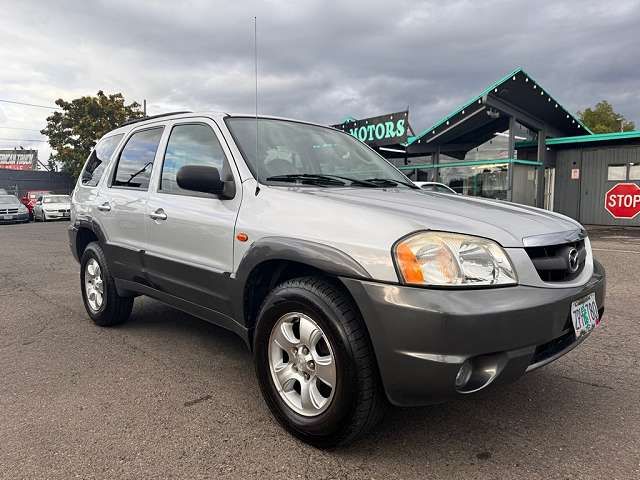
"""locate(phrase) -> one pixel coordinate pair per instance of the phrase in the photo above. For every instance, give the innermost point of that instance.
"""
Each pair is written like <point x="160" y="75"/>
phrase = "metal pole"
<point x="540" y="178"/>
<point x="511" y="154"/>
<point x="144" y="107"/>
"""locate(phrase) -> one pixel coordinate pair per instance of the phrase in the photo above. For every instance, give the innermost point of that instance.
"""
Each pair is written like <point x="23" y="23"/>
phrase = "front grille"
<point x="553" y="262"/>
<point x="8" y="211"/>
<point x="64" y="211"/>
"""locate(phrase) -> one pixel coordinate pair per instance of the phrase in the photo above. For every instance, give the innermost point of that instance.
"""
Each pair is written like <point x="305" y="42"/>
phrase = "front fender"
<point x="317" y="255"/>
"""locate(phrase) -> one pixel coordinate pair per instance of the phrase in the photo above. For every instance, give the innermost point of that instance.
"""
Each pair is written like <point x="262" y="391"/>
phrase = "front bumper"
<point x="14" y="218"/>
<point x="421" y="337"/>
<point x="54" y="214"/>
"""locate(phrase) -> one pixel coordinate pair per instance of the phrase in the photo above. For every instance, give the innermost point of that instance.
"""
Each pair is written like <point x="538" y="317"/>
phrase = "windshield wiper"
<point x="307" y="178"/>
<point x="354" y="181"/>
<point x="388" y="182"/>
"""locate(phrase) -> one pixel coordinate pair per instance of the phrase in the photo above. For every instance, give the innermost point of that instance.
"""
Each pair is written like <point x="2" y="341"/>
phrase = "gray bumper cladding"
<point x="422" y="337"/>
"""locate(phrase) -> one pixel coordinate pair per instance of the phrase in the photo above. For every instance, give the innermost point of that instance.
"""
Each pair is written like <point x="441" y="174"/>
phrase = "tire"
<point x="113" y="309"/>
<point x="356" y="403"/>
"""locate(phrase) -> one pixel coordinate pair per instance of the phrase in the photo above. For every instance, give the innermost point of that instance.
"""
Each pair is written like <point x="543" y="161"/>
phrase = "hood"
<point x="4" y="205"/>
<point x="55" y="205"/>
<point x="504" y="222"/>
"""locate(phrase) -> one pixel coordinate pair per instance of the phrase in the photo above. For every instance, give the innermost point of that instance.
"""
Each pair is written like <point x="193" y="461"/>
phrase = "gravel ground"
<point x="169" y="396"/>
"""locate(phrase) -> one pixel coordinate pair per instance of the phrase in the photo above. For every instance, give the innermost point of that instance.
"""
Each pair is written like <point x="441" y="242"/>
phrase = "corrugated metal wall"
<point x="17" y="182"/>
<point x="595" y="185"/>
<point x="583" y="199"/>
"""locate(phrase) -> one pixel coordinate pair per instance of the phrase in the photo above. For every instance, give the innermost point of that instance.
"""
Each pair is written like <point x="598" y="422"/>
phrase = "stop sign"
<point x="623" y="200"/>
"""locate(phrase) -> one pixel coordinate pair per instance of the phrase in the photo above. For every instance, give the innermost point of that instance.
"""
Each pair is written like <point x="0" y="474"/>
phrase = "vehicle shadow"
<point x="544" y="410"/>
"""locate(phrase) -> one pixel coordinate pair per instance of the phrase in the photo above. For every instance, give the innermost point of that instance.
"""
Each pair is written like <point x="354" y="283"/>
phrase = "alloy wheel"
<point x="302" y="364"/>
<point x="93" y="285"/>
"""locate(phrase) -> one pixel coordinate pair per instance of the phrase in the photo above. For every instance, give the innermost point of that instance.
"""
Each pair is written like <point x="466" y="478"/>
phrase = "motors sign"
<point x="18" y="159"/>
<point x="623" y="200"/>
<point x="389" y="129"/>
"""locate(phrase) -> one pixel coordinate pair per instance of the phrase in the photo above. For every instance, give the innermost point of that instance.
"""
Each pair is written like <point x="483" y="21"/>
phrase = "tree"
<point x="74" y="131"/>
<point x="603" y="119"/>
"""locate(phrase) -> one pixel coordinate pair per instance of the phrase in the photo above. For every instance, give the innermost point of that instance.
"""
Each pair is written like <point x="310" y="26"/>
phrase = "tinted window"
<point x="98" y="160"/>
<point x="136" y="159"/>
<point x="189" y="145"/>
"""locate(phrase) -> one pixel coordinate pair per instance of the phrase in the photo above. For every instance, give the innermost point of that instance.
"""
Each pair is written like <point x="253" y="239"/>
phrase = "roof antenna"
<point x="255" y="63"/>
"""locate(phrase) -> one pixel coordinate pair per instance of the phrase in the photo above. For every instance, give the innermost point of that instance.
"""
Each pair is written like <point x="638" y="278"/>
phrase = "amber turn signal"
<point x="408" y="264"/>
<point x="242" y="237"/>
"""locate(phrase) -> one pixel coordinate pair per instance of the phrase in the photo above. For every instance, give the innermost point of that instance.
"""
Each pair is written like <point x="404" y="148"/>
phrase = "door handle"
<point x="158" y="215"/>
<point x="105" y="207"/>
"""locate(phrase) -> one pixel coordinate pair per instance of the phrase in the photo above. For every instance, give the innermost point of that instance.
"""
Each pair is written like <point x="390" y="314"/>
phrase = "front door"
<point x="190" y="235"/>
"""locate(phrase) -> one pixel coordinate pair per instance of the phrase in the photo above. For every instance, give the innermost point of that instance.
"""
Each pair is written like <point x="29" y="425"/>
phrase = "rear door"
<point x="122" y="203"/>
<point x="190" y="235"/>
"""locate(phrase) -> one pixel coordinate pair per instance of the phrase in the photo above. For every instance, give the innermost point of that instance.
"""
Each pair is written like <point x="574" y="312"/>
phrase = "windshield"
<point x="295" y="152"/>
<point x="10" y="199"/>
<point x="57" y="199"/>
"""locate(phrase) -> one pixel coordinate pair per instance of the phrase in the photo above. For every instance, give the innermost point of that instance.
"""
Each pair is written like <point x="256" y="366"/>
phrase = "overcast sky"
<point x="318" y="60"/>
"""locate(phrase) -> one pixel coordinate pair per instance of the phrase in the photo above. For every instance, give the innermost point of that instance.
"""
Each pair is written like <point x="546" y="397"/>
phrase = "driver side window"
<point x="190" y="144"/>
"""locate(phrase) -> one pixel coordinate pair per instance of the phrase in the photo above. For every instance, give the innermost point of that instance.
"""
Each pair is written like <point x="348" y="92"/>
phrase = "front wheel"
<point x="101" y="299"/>
<point x="315" y="363"/>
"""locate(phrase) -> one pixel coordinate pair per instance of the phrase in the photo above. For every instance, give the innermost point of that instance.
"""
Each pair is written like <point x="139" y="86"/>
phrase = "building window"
<point x="488" y="181"/>
<point x="617" y="172"/>
<point x="634" y="171"/>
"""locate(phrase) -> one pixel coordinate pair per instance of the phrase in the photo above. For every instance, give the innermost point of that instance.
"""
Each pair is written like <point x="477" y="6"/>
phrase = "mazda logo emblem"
<point x="573" y="260"/>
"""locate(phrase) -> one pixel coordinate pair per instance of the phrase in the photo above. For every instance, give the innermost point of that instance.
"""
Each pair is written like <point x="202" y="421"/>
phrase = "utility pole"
<point x="144" y="107"/>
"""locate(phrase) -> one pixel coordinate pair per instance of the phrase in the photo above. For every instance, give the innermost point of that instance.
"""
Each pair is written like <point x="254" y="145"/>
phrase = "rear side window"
<point x="98" y="159"/>
<point x="136" y="159"/>
<point x="191" y="144"/>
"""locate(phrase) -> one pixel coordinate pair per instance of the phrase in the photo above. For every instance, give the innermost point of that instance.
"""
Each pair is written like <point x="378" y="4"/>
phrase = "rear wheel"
<point x="315" y="363"/>
<point x="101" y="299"/>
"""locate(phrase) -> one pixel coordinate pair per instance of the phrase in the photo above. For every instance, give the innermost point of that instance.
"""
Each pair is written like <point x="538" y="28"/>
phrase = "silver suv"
<point x="352" y="287"/>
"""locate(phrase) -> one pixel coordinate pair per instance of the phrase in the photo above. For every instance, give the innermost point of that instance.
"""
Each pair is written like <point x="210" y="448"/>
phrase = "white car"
<point x="435" y="187"/>
<point x="50" y="207"/>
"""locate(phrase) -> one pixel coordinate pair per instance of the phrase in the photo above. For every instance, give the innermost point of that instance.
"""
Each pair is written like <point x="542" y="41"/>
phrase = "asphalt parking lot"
<point x="169" y="396"/>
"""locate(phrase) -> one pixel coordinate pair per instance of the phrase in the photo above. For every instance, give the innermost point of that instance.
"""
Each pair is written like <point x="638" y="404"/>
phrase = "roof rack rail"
<point x="142" y="119"/>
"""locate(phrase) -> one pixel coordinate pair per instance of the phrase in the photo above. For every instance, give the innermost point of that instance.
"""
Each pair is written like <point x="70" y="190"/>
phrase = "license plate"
<point x="584" y="315"/>
<point x="7" y="217"/>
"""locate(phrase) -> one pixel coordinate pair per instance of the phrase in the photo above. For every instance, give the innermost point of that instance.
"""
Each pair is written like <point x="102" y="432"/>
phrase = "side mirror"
<point x="200" y="178"/>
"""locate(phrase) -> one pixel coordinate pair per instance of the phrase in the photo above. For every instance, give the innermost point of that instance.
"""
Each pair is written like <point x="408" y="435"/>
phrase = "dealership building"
<point x="514" y="141"/>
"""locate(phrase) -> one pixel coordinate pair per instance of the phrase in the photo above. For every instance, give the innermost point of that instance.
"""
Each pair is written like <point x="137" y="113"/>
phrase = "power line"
<point x="30" y="104"/>
<point x="22" y="140"/>
<point x="20" y="128"/>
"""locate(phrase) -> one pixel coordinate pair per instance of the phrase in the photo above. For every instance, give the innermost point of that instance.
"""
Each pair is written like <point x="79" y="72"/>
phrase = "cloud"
<point x="318" y="60"/>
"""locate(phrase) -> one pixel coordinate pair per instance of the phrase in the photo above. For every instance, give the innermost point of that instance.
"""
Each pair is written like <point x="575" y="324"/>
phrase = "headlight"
<point x="451" y="259"/>
<point x="22" y="209"/>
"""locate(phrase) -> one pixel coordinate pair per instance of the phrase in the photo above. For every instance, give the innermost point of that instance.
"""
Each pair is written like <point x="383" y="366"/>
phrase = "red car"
<point x="29" y="199"/>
